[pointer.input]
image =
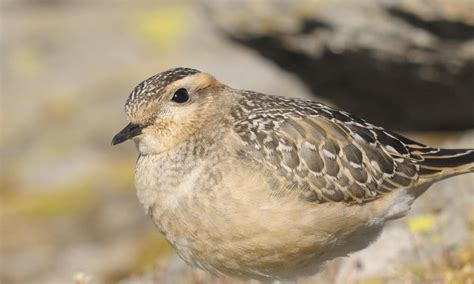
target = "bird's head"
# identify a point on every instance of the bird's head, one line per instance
(168, 108)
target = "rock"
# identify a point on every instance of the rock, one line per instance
(407, 65)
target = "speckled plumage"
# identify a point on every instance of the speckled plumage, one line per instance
(267, 187)
(327, 154)
(150, 89)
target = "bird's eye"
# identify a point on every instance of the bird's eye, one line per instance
(180, 96)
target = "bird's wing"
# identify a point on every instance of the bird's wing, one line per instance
(324, 154)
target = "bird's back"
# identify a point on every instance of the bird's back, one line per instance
(331, 156)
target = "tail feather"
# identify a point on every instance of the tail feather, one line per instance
(444, 163)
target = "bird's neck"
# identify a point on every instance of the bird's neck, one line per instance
(163, 178)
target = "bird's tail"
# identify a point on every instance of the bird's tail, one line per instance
(436, 164)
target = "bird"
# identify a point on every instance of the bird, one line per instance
(266, 187)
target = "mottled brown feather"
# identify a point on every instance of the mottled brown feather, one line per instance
(326, 154)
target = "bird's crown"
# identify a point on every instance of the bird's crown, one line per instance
(152, 88)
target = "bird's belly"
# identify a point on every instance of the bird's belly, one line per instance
(242, 226)
(267, 241)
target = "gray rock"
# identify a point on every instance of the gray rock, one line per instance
(404, 64)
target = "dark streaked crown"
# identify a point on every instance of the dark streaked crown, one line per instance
(151, 88)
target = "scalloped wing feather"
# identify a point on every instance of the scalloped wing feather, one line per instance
(324, 154)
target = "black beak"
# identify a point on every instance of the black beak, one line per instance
(130, 131)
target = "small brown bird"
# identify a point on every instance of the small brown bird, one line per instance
(266, 187)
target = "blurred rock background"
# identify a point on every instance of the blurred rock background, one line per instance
(394, 57)
(68, 211)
